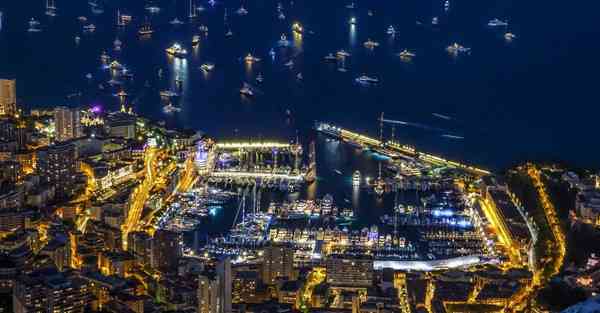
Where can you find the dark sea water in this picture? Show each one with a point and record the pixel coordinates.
(534, 98)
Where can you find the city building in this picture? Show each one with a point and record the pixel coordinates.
(67, 123)
(8, 97)
(57, 165)
(208, 295)
(349, 270)
(121, 125)
(48, 290)
(225, 281)
(278, 263)
(166, 249)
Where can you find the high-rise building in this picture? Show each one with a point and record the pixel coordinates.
(48, 290)
(57, 165)
(278, 263)
(348, 270)
(8, 97)
(67, 123)
(208, 295)
(166, 249)
(225, 282)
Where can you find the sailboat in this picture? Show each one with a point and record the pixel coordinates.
(192, 10)
(50, 8)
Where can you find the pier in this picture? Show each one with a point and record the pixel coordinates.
(392, 149)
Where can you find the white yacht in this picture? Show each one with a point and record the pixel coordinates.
(508, 36)
(251, 59)
(370, 44)
(247, 90)
(207, 67)
(195, 40)
(391, 31)
(176, 50)
(356, 178)
(176, 21)
(283, 42)
(89, 28)
(497, 23)
(456, 49)
(406, 54)
(366, 80)
(342, 53)
(242, 11)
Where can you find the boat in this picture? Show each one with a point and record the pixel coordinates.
(272, 53)
(241, 11)
(297, 28)
(146, 30)
(89, 28)
(176, 21)
(50, 8)
(289, 63)
(250, 58)
(446, 5)
(176, 50)
(435, 20)
(195, 40)
(115, 65)
(370, 44)
(456, 49)
(366, 80)
(283, 42)
(379, 187)
(330, 57)
(229, 33)
(203, 28)
(356, 178)
(391, 31)
(247, 90)
(117, 44)
(299, 76)
(405, 54)
(342, 54)
(508, 36)
(370, 13)
(170, 108)
(168, 94)
(338, 171)
(33, 26)
(82, 19)
(351, 5)
(497, 23)
(352, 21)
(281, 16)
(259, 78)
(207, 67)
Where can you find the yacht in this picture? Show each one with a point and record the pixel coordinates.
(170, 108)
(176, 21)
(247, 90)
(379, 187)
(366, 80)
(115, 65)
(289, 63)
(407, 55)
(391, 30)
(82, 19)
(146, 30)
(330, 57)
(250, 58)
(259, 78)
(497, 23)
(351, 5)
(203, 28)
(435, 20)
(168, 94)
(176, 50)
(446, 5)
(153, 9)
(242, 11)
(296, 27)
(342, 54)
(89, 28)
(299, 76)
(117, 44)
(356, 178)
(207, 67)
(456, 49)
(370, 44)
(508, 36)
(283, 41)
(281, 16)
(272, 53)
(195, 40)
(229, 33)
(352, 20)
(33, 26)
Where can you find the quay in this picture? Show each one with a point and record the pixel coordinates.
(392, 149)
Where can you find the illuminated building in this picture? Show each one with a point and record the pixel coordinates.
(8, 97)
(245, 285)
(67, 123)
(208, 295)
(288, 292)
(50, 291)
(166, 249)
(59, 252)
(140, 245)
(121, 125)
(57, 165)
(278, 263)
(349, 271)
(225, 281)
